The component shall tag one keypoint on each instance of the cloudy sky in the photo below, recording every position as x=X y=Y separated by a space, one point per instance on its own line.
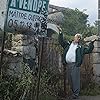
x=91 y=6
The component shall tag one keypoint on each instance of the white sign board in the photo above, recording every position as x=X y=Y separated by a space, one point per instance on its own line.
x=27 y=16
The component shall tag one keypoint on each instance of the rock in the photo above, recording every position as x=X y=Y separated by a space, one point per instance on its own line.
x=15 y=44
x=17 y=37
x=3 y=10
x=56 y=17
x=19 y=49
x=96 y=58
x=97 y=44
x=87 y=39
x=53 y=27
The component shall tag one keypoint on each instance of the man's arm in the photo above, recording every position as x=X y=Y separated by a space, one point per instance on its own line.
x=62 y=42
x=90 y=48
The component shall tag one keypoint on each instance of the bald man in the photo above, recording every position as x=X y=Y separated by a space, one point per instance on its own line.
x=72 y=57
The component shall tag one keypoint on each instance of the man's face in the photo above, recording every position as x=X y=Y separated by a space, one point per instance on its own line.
x=77 y=38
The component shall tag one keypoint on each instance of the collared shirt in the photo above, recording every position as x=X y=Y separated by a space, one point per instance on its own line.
x=71 y=54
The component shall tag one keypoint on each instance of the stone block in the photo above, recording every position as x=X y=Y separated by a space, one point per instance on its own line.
x=14 y=59
x=19 y=49
x=15 y=44
x=15 y=65
x=3 y=11
x=96 y=50
x=97 y=44
x=17 y=37
x=29 y=51
x=25 y=43
x=95 y=58
x=96 y=69
x=15 y=69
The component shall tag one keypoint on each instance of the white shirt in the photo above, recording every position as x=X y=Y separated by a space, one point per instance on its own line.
x=71 y=54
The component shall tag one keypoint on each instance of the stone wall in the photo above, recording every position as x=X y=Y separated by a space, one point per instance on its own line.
x=3 y=9
x=95 y=57
x=96 y=61
x=23 y=50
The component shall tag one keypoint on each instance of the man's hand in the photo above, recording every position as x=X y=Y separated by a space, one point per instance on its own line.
x=93 y=40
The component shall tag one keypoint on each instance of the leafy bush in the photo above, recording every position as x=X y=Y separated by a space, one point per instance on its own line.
x=17 y=88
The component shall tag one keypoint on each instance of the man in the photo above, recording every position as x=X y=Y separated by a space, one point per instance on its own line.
x=72 y=57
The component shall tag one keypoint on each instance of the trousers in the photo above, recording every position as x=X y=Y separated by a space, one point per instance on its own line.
x=74 y=78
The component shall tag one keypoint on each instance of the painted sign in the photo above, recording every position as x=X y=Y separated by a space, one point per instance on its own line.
x=27 y=16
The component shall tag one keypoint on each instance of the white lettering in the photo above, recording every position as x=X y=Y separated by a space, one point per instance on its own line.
x=29 y=17
x=39 y=5
x=20 y=3
x=25 y=4
x=13 y=3
x=30 y=3
x=17 y=14
x=35 y=5
x=10 y=13
x=44 y=5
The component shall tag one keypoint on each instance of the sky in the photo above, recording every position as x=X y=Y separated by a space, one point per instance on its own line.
x=89 y=7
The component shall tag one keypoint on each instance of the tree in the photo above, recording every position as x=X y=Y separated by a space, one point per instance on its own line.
x=91 y=30
x=75 y=21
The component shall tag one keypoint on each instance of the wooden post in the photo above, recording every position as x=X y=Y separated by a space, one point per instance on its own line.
x=39 y=68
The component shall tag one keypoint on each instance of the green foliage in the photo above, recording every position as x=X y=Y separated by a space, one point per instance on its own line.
x=17 y=88
x=23 y=86
x=90 y=30
x=50 y=79
x=68 y=37
x=74 y=21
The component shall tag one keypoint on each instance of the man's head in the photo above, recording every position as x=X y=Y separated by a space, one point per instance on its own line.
x=77 y=38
